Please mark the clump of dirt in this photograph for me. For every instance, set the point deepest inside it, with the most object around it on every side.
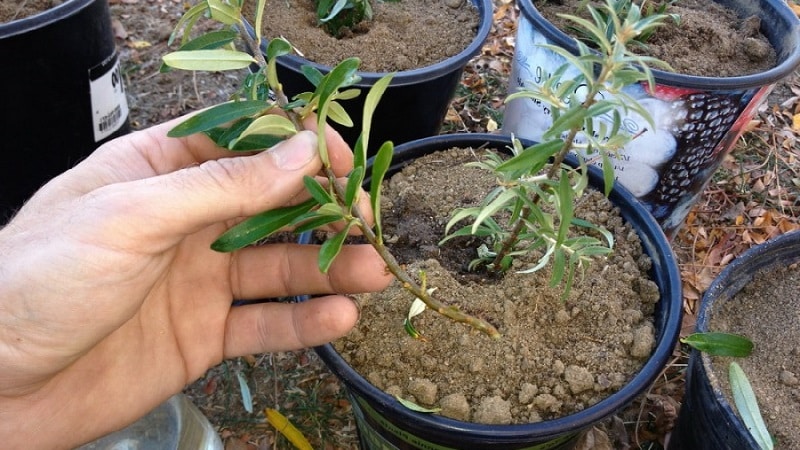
(11, 10)
(709, 39)
(766, 311)
(556, 356)
(401, 36)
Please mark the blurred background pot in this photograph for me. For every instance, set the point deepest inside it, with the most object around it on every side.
(62, 95)
(386, 424)
(707, 420)
(698, 119)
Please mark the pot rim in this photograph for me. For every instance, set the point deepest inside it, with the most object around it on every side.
(43, 19)
(790, 43)
(670, 305)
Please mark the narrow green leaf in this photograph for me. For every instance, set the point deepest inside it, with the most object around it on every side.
(720, 344)
(415, 407)
(212, 40)
(531, 158)
(211, 60)
(224, 12)
(312, 74)
(380, 165)
(259, 227)
(371, 104)
(270, 124)
(331, 248)
(278, 47)
(746, 404)
(353, 186)
(187, 20)
(500, 202)
(255, 142)
(565, 207)
(313, 222)
(259, 18)
(338, 114)
(317, 191)
(218, 115)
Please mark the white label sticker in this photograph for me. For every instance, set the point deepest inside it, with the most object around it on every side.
(109, 103)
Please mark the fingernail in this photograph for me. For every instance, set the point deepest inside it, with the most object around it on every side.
(295, 153)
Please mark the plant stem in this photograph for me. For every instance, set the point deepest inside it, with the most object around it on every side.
(408, 283)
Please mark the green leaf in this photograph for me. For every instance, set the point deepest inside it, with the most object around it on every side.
(259, 18)
(565, 208)
(380, 165)
(259, 227)
(224, 12)
(338, 114)
(270, 124)
(211, 60)
(371, 103)
(532, 157)
(746, 404)
(313, 223)
(187, 21)
(312, 74)
(218, 115)
(415, 407)
(353, 185)
(278, 47)
(318, 193)
(720, 344)
(214, 39)
(331, 248)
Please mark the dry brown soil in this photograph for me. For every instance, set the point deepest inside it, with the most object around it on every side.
(557, 356)
(767, 311)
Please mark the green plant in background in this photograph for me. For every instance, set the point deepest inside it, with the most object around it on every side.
(535, 188)
(733, 345)
(586, 121)
(646, 11)
(338, 16)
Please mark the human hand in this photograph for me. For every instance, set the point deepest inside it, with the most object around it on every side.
(111, 300)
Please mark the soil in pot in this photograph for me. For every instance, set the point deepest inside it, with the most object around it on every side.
(767, 310)
(401, 36)
(555, 357)
(710, 40)
(11, 10)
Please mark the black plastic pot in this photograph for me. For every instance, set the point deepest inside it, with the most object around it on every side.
(415, 103)
(698, 119)
(707, 420)
(384, 423)
(62, 95)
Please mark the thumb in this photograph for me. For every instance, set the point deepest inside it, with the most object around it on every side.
(214, 191)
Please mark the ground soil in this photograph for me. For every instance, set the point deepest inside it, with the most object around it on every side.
(402, 36)
(709, 40)
(557, 356)
(766, 311)
(11, 10)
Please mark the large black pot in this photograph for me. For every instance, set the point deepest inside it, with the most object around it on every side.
(62, 95)
(384, 423)
(697, 119)
(415, 103)
(707, 420)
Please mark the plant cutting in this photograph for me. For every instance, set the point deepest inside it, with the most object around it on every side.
(534, 198)
(698, 116)
(756, 296)
(60, 59)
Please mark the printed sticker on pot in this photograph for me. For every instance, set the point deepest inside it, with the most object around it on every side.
(109, 102)
(668, 163)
